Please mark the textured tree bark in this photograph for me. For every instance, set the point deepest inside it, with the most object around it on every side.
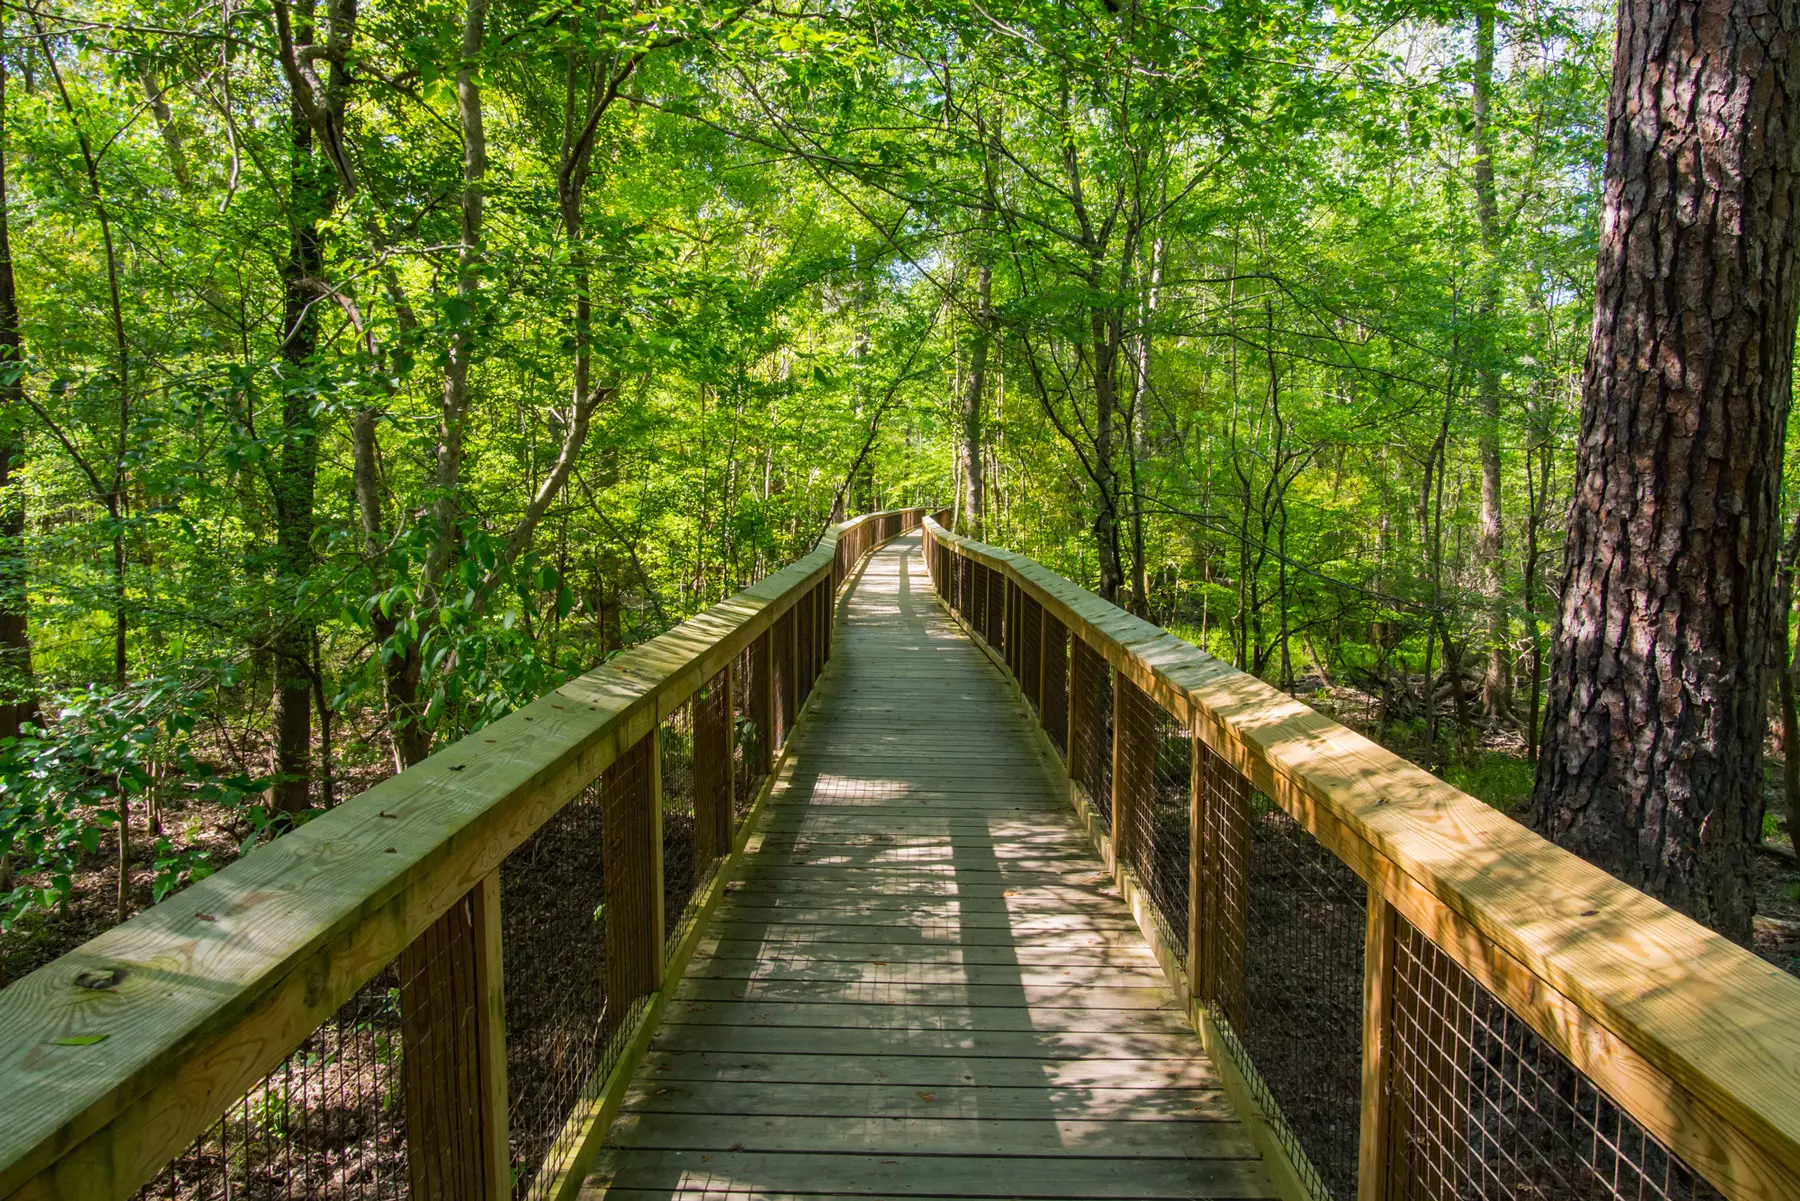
(1496, 688)
(16, 705)
(294, 472)
(1652, 759)
(1105, 330)
(974, 495)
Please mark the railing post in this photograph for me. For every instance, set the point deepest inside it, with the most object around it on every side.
(713, 724)
(631, 797)
(1196, 947)
(1378, 991)
(1121, 774)
(1076, 714)
(1043, 646)
(490, 986)
(659, 916)
(453, 1052)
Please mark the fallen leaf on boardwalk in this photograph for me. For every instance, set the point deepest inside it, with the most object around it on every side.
(927, 1096)
(80, 1040)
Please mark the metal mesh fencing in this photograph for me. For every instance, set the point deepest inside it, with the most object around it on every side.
(1483, 1108)
(994, 631)
(683, 873)
(1090, 728)
(1031, 650)
(805, 650)
(385, 1099)
(714, 768)
(1282, 920)
(1154, 771)
(751, 750)
(696, 799)
(781, 669)
(1011, 633)
(1054, 712)
(633, 953)
(329, 1121)
(978, 596)
(552, 903)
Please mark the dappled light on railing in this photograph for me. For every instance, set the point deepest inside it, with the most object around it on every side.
(1411, 997)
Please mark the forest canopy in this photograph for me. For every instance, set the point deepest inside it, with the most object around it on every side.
(373, 368)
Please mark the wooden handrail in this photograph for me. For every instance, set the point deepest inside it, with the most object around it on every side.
(117, 1055)
(1697, 1039)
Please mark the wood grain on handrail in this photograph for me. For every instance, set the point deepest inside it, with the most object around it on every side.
(1693, 1035)
(212, 988)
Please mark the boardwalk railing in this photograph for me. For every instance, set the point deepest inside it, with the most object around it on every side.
(1410, 996)
(437, 988)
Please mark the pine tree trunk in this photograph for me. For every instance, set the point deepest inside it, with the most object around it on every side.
(1652, 758)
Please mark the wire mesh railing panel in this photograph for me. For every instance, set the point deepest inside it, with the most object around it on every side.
(1090, 727)
(781, 669)
(1055, 711)
(1483, 1108)
(978, 594)
(552, 920)
(1031, 651)
(714, 768)
(329, 1121)
(804, 649)
(1283, 924)
(994, 632)
(751, 749)
(633, 953)
(1155, 769)
(683, 873)
(1011, 633)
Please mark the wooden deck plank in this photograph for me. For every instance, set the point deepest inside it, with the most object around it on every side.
(1042, 1135)
(1128, 1073)
(939, 1100)
(923, 982)
(695, 1174)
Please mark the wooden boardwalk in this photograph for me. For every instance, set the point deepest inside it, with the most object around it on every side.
(922, 982)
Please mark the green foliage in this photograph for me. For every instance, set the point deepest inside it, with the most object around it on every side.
(62, 789)
(246, 477)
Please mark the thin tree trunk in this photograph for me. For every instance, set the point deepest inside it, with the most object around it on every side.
(1652, 760)
(16, 703)
(1785, 667)
(1537, 493)
(165, 124)
(1496, 688)
(973, 500)
(294, 471)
